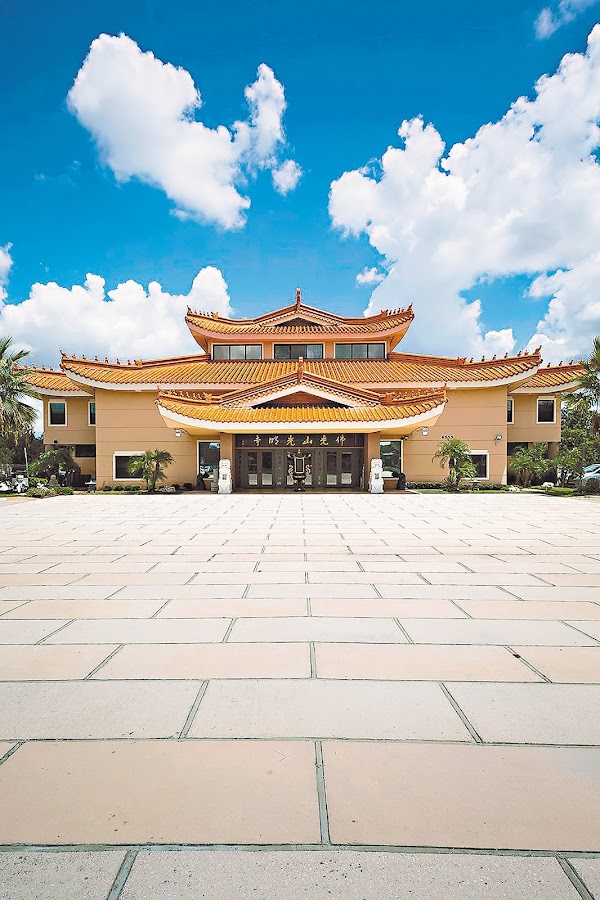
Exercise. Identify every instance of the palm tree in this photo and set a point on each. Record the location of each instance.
(589, 384)
(455, 454)
(17, 417)
(149, 466)
(529, 462)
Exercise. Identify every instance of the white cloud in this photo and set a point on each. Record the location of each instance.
(370, 276)
(127, 322)
(550, 20)
(142, 115)
(5, 266)
(520, 197)
(286, 177)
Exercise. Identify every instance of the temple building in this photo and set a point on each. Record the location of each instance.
(339, 388)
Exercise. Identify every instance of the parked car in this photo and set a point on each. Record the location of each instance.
(590, 472)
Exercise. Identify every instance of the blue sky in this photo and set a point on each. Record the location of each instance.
(352, 72)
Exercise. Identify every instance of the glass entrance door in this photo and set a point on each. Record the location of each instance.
(343, 468)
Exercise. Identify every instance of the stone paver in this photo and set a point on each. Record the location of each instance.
(589, 871)
(261, 669)
(320, 708)
(532, 713)
(420, 661)
(343, 875)
(94, 709)
(247, 792)
(521, 798)
(65, 875)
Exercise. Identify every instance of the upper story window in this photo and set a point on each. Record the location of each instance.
(360, 351)
(510, 411)
(546, 410)
(237, 351)
(92, 412)
(57, 412)
(295, 351)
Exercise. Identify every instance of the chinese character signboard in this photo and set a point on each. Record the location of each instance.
(306, 441)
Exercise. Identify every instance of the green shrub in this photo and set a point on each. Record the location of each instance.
(106, 488)
(118, 487)
(65, 490)
(40, 492)
(591, 486)
(424, 485)
(486, 486)
(177, 487)
(188, 486)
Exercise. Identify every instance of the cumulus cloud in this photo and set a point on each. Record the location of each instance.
(142, 115)
(5, 266)
(370, 276)
(286, 177)
(520, 197)
(550, 19)
(127, 322)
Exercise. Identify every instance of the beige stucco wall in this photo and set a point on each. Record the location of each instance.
(474, 416)
(129, 420)
(77, 430)
(526, 427)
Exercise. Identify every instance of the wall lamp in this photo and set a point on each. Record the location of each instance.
(498, 438)
(425, 431)
(178, 432)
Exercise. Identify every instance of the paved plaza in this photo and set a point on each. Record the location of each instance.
(315, 696)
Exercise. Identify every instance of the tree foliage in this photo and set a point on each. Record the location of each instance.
(529, 462)
(17, 417)
(54, 460)
(455, 454)
(150, 466)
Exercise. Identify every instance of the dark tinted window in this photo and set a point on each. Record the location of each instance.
(295, 351)
(92, 413)
(122, 466)
(480, 461)
(360, 351)
(85, 451)
(58, 413)
(545, 410)
(237, 351)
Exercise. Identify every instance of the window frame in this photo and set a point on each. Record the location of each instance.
(125, 453)
(90, 404)
(510, 400)
(367, 344)
(485, 453)
(392, 441)
(52, 424)
(229, 346)
(537, 411)
(291, 344)
(202, 441)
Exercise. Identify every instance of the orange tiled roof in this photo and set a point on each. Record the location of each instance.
(49, 380)
(192, 407)
(300, 378)
(554, 377)
(400, 369)
(276, 324)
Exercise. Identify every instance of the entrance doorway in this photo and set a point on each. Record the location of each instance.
(333, 465)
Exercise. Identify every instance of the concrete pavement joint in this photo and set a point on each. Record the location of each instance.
(192, 713)
(10, 752)
(575, 878)
(313, 659)
(529, 665)
(404, 631)
(56, 630)
(462, 715)
(322, 794)
(229, 630)
(122, 874)
(103, 663)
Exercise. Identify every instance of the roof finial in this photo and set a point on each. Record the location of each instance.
(300, 368)
(298, 298)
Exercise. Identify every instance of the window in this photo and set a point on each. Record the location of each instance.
(513, 446)
(237, 351)
(85, 451)
(360, 351)
(92, 413)
(545, 410)
(295, 351)
(510, 410)
(480, 459)
(391, 457)
(121, 465)
(57, 413)
(209, 454)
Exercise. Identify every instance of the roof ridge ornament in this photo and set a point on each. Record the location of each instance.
(298, 298)
(300, 372)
